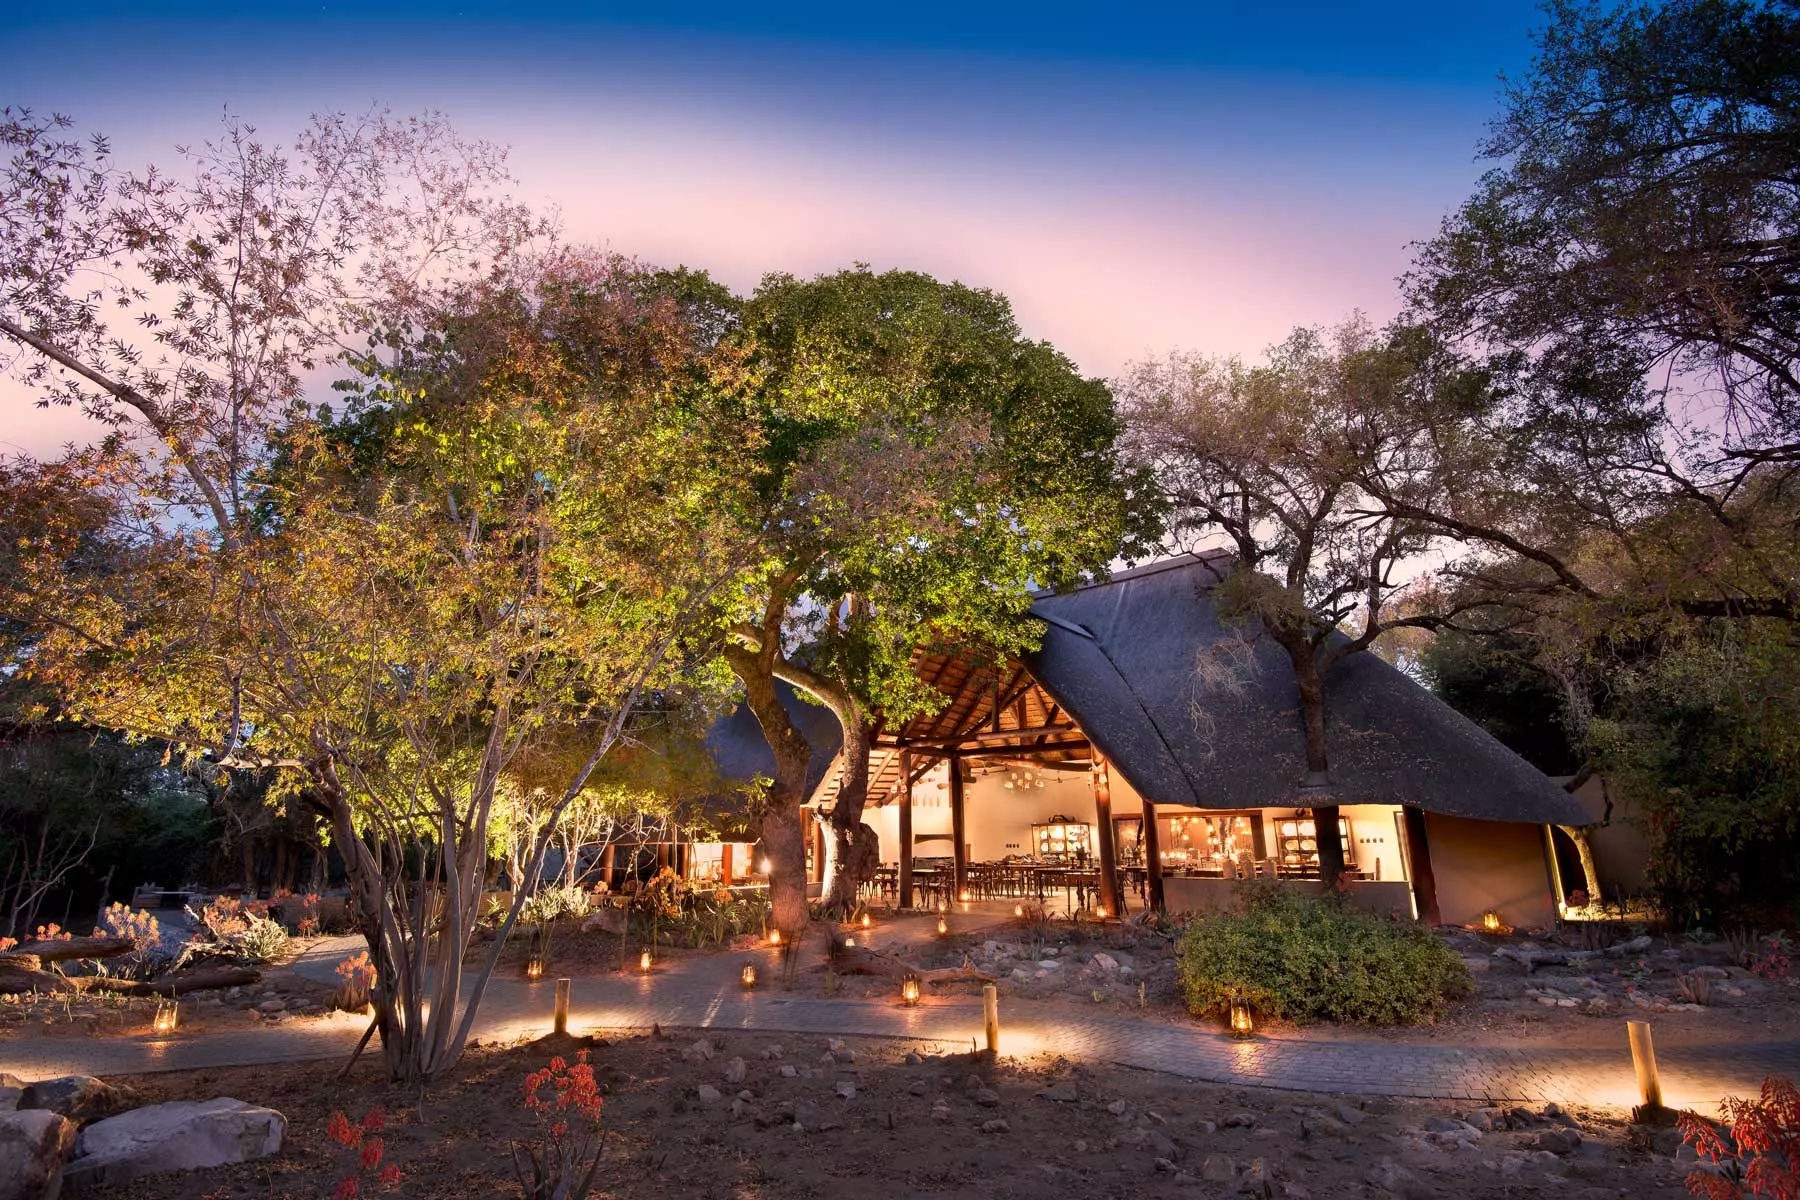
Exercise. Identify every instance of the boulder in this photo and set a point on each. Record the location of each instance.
(77, 1097)
(607, 920)
(181, 1135)
(32, 1146)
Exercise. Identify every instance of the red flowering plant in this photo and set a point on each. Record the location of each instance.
(365, 1167)
(565, 1101)
(356, 976)
(1757, 1150)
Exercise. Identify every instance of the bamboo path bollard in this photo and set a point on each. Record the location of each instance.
(1643, 1058)
(562, 1007)
(990, 1017)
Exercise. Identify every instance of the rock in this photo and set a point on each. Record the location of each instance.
(272, 1006)
(844, 1056)
(701, 1051)
(1106, 962)
(846, 1091)
(1207, 1126)
(1666, 1142)
(1349, 1114)
(834, 1044)
(1219, 1168)
(181, 1135)
(708, 1094)
(1443, 1125)
(32, 1147)
(1556, 1141)
(1162, 1145)
(973, 1083)
(1062, 1093)
(1116, 1108)
(808, 1115)
(1488, 1119)
(1079, 1146)
(940, 1112)
(986, 1097)
(1294, 1191)
(912, 1059)
(607, 920)
(1319, 1124)
(1390, 1175)
(77, 1097)
(788, 1071)
(1165, 1166)
(997, 1125)
(735, 1070)
(1049, 964)
(1255, 1179)
(919, 1087)
(771, 1053)
(1242, 1120)
(9, 1097)
(1476, 963)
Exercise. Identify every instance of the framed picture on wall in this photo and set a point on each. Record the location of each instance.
(1128, 840)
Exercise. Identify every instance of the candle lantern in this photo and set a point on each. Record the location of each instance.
(850, 943)
(909, 989)
(1101, 912)
(774, 937)
(866, 922)
(749, 976)
(537, 953)
(1490, 921)
(168, 1016)
(1018, 910)
(1241, 1023)
(644, 962)
(943, 927)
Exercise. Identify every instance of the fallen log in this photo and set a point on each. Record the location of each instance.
(17, 980)
(1531, 960)
(174, 985)
(82, 947)
(28, 962)
(860, 960)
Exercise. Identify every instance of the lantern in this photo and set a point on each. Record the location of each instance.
(866, 922)
(168, 1016)
(1490, 921)
(1101, 912)
(1018, 910)
(534, 965)
(763, 866)
(644, 962)
(1241, 1023)
(943, 927)
(850, 943)
(774, 937)
(909, 989)
(749, 976)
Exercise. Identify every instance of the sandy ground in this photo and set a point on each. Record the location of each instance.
(811, 1117)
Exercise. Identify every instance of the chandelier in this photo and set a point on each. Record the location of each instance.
(1023, 778)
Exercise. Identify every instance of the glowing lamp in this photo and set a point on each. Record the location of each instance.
(774, 937)
(534, 965)
(644, 962)
(1100, 912)
(909, 989)
(963, 896)
(763, 866)
(748, 975)
(168, 1016)
(1490, 921)
(850, 942)
(1018, 910)
(1241, 1023)
(866, 922)
(943, 927)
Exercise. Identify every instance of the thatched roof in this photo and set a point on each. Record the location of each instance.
(1190, 711)
(1195, 712)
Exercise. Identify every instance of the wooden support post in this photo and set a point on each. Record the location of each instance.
(662, 855)
(959, 831)
(1153, 881)
(725, 865)
(1418, 866)
(1109, 859)
(906, 833)
(990, 1018)
(815, 833)
(1643, 1058)
(561, 1026)
(606, 866)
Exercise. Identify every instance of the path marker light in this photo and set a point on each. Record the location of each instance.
(909, 989)
(748, 976)
(1242, 1025)
(559, 1021)
(644, 961)
(168, 1016)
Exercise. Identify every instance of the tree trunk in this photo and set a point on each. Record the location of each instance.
(1303, 656)
(851, 853)
(783, 834)
(1584, 849)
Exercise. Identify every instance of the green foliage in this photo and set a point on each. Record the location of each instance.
(1497, 682)
(262, 940)
(553, 903)
(1309, 958)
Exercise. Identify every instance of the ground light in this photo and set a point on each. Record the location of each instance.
(1018, 910)
(168, 1016)
(534, 965)
(774, 937)
(909, 989)
(866, 922)
(1490, 921)
(943, 927)
(644, 962)
(1242, 1025)
(748, 976)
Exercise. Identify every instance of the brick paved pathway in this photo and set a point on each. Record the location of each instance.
(701, 993)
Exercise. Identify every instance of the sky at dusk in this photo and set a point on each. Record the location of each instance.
(1134, 178)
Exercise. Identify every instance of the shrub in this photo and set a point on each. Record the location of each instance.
(145, 932)
(1758, 1151)
(1311, 958)
(262, 939)
(565, 1102)
(553, 903)
(363, 1139)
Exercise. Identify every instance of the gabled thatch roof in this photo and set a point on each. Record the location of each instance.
(1193, 712)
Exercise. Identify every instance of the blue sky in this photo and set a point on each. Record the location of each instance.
(1135, 177)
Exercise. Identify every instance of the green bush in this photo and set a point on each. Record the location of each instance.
(1310, 958)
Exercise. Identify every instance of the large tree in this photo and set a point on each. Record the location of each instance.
(496, 533)
(1278, 461)
(924, 468)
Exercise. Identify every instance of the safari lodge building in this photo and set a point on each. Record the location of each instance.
(1148, 754)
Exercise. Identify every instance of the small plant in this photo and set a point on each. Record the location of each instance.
(1695, 989)
(365, 1139)
(356, 976)
(1740, 946)
(119, 920)
(308, 924)
(552, 904)
(565, 1101)
(262, 939)
(53, 933)
(1757, 1153)
(1773, 959)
